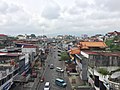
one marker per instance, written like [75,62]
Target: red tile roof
[3,35]
[103,53]
[74,51]
[29,46]
[110,53]
[87,45]
[89,52]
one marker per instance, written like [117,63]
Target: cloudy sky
[53,17]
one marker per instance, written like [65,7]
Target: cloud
[3,7]
[59,16]
[111,5]
[51,10]
[85,17]
[13,8]
[12,14]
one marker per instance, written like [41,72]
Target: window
[15,72]
[91,56]
[0,82]
[3,80]
[9,76]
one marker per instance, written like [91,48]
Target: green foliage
[33,35]
[64,56]
[12,38]
[1,44]
[109,42]
[116,38]
[103,71]
[115,47]
[111,45]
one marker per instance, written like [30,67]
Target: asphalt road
[50,74]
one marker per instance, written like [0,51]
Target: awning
[21,79]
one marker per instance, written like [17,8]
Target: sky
[55,17]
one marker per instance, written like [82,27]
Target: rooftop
[10,54]
[115,32]
[29,46]
[87,45]
[3,35]
[74,51]
[103,53]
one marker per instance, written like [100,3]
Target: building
[92,46]
[21,37]
[31,50]
[93,62]
[9,68]
[113,34]
[13,65]
[3,40]
[3,37]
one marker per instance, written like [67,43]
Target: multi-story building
[98,67]
[90,63]
[9,68]
[13,60]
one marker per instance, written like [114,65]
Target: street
[50,74]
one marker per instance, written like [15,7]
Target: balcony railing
[4,73]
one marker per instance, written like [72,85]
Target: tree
[113,46]
[103,71]
[64,56]
[109,42]
[33,35]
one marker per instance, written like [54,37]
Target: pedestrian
[43,78]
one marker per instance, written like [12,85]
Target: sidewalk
[78,84]
[28,86]
[75,81]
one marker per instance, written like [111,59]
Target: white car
[47,86]
[51,66]
[58,69]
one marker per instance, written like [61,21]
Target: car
[59,60]
[58,69]
[51,66]
[47,86]
[60,82]
[59,51]
[34,75]
[59,54]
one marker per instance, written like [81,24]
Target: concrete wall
[28,50]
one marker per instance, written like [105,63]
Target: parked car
[59,54]
[51,66]
[47,86]
[59,51]
[60,82]
[60,59]
[58,69]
